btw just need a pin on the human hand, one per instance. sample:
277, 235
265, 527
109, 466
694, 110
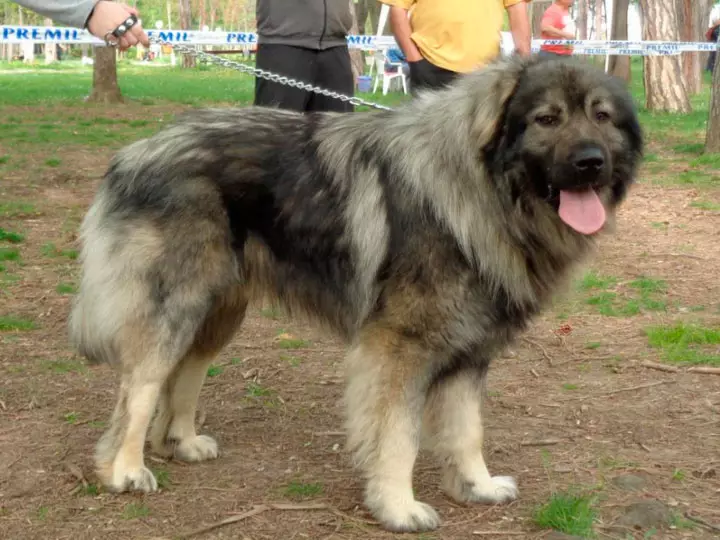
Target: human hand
107, 16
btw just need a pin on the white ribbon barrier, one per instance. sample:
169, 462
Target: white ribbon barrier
74, 36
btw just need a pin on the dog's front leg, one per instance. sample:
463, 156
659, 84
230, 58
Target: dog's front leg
385, 397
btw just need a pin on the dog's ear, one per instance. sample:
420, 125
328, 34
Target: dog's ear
495, 85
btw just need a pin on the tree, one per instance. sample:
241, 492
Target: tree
690, 15
599, 5
712, 137
582, 18
356, 57
188, 61
620, 65
50, 48
105, 84
665, 88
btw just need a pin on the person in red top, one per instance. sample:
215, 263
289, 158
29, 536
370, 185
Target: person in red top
557, 23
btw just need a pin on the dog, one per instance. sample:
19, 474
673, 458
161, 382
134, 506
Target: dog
427, 237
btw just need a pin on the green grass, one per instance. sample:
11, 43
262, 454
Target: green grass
10, 323
66, 288
643, 294
593, 280
293, 343
301, 490
214, 371
62, 365
686, 343
287, 341
9, 254
16, 209
11, 237
706, 205
50, 250
569, 513
146, 86
256, 390
135, 510
646, 285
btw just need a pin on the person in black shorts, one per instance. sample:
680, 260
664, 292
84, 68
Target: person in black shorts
305, 40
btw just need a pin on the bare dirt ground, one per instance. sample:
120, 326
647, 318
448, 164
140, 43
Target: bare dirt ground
573, 408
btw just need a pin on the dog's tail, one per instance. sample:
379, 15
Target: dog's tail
114, 258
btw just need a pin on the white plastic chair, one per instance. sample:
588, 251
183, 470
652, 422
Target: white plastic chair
387, 71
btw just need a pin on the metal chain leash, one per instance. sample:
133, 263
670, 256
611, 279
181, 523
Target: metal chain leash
257, 72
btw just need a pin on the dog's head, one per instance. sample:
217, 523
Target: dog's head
563, 134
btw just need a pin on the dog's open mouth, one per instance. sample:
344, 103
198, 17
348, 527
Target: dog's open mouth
582, 210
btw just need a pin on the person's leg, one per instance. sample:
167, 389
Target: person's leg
425, 75
292, 62
333, 71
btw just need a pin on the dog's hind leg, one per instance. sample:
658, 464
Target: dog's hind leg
119, 454
453, 431
384, 400
173, 431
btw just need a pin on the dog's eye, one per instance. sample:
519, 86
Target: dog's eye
602, 116
547, 120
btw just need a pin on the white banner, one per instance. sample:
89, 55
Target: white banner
74, 36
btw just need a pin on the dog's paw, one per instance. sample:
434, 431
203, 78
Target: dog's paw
501, 490
198, 448
140, 479
408, 516
498, 490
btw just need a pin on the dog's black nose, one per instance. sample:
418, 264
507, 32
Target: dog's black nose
588, 160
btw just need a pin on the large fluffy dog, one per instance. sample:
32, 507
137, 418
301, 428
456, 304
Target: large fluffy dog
427, 237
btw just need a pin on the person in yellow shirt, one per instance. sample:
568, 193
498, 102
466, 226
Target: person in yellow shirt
442, 38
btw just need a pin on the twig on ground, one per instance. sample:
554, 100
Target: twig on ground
542, 349
535, 373
329, 433
641, 445
702, 522
619, 390
541, 442
660, 367
499, 533
254, 511
706, 370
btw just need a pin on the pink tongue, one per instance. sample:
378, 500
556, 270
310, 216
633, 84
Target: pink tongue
582, 210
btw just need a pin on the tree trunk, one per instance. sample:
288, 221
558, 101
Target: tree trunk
373, 14
712, 138
665, 88
185, 23
357, 60
598, 19
361, 14
620, 65
105, 84
582, 19
50, 47
690, 60
702, 19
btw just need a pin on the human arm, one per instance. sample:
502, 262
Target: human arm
401, 29
99, 17
520, 27
555, 32
549, 25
